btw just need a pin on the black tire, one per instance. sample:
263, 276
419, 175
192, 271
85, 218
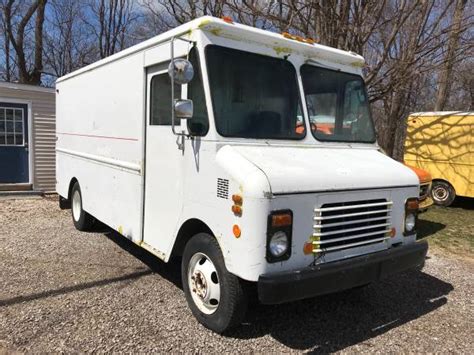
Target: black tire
442, 193
82, 220
232, 305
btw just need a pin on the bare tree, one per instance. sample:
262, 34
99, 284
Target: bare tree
7, 71
167, 14
68, 45
445, 78
29, 74
403, 42
111, 23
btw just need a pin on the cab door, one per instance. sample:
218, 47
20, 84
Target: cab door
163, 165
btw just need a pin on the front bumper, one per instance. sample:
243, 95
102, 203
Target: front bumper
424, 204
339, 275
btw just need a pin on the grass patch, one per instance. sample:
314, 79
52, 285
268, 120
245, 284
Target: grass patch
450, 229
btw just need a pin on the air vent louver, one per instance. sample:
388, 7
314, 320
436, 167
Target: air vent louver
222, 188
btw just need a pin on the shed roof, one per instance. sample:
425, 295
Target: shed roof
442, 113
25, 87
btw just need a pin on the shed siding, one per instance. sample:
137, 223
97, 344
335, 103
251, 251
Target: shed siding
43, 135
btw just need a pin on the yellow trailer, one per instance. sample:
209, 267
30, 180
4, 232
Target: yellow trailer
443, 144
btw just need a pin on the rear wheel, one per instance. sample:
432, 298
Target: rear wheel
216, 297
82, 220
442, 193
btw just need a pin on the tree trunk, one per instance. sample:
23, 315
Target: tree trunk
17, 40
445, 76
6, 44
35, 76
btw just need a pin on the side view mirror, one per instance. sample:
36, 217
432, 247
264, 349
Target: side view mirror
183, 109
181, 71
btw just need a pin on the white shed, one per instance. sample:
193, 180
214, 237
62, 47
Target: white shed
27, 138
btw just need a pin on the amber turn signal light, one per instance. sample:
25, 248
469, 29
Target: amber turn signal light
412, 204
236, 230
281, 220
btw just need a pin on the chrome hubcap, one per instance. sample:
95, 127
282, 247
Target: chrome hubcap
440, 193
76, 205
204, 283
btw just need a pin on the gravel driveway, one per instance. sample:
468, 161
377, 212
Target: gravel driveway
62, 290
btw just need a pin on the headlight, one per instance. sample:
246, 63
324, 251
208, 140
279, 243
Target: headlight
411, 210
278, 244
279, 230
410, 222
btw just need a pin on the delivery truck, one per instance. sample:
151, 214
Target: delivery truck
249, 155
442, 143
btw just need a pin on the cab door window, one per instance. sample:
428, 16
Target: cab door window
160, 102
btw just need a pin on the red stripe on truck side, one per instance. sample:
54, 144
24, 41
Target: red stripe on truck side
94, 136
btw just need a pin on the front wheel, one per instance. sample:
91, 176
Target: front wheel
216, 297
442, 193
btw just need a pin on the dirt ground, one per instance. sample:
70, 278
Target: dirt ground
66, 291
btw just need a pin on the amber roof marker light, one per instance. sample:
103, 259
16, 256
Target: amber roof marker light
227, 19
306, 40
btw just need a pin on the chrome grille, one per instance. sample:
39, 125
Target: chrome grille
349, 224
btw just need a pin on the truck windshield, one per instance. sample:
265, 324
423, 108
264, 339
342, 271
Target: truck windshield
254, 96
337, 105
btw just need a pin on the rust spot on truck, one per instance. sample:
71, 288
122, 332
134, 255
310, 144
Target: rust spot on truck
203, 23
215, 31
279, 50
358, 64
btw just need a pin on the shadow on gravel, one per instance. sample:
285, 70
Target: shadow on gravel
68, 289
333, 322
169, 271
465, 203
425, 228
327, 323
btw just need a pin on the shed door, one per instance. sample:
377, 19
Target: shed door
13, 143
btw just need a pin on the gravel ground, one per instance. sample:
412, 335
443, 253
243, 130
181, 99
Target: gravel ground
65, 291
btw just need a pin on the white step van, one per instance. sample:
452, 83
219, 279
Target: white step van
259, 166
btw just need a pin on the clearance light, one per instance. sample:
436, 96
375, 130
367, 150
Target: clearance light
236, 230
308, 248
282, 220
227, 19
237, 210
238, 200
393, 232
298, 38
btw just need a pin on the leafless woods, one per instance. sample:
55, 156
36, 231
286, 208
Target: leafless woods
419, 53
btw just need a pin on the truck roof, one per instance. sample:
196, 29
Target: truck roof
235, 31
442, 113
